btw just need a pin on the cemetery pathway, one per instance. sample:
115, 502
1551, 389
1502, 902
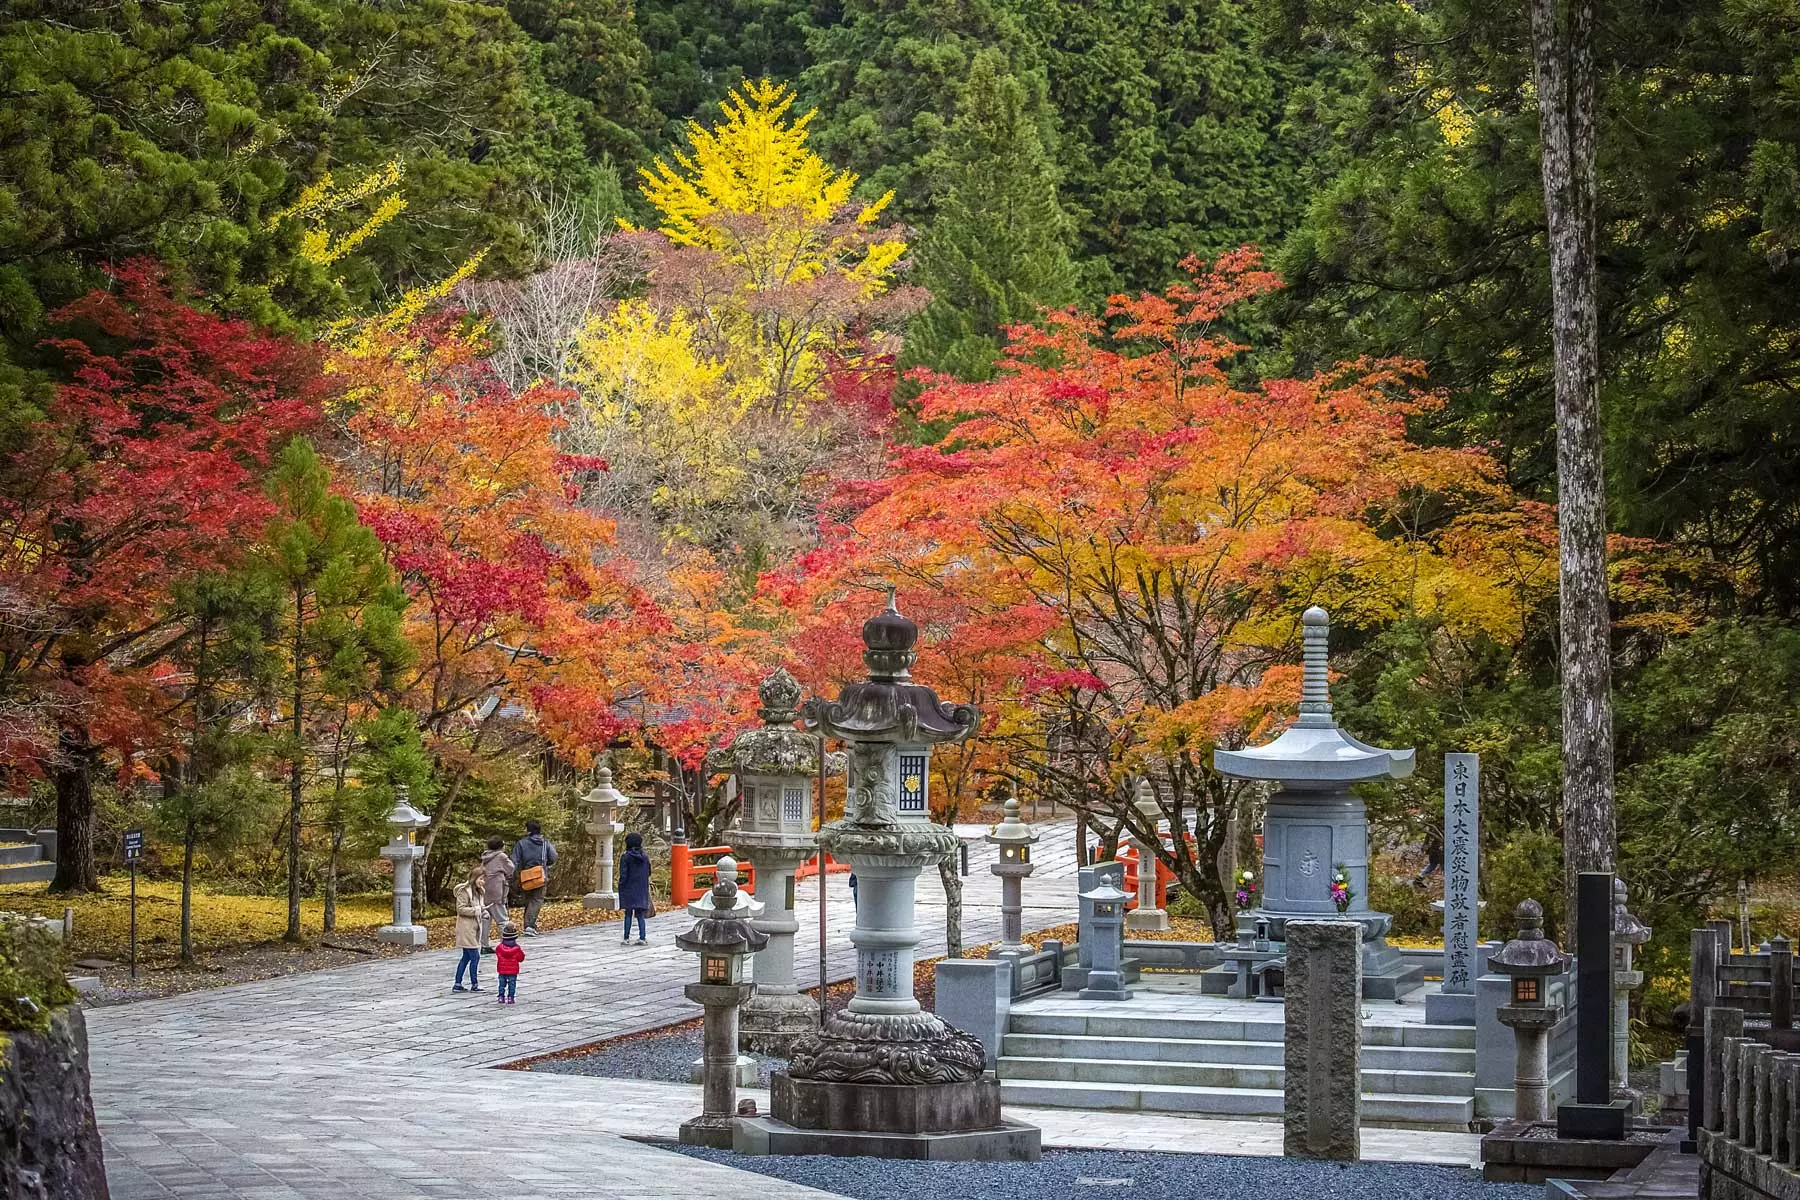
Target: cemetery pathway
358, 1082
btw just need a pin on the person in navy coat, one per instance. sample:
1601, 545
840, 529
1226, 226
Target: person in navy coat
634, 885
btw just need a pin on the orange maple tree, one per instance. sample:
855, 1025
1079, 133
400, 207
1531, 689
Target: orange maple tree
1112, 544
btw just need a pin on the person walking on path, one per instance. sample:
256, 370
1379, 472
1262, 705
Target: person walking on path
507, 957
496, 866
634, 885
532, 857
469, 898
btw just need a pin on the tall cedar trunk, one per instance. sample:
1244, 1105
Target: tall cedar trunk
1563, 56
297, 772
953, 890
188, 835
74, 780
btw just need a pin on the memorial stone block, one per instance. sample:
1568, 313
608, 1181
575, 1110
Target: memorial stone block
1323, 1057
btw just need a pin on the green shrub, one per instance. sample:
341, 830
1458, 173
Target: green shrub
1528, 866
32, 974
1409, 905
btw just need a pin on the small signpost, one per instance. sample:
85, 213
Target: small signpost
133, 850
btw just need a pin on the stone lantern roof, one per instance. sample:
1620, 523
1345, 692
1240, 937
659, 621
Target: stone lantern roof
603, 791
1011, 831
724, 928
778, 748
404, 815
1314, 750
888, 706
1529, 953
1626, 927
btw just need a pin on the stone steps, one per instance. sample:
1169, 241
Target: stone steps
1416, 1075
1223, 1075
14, 853
1169, 1027
1223, 1052
1445, 1112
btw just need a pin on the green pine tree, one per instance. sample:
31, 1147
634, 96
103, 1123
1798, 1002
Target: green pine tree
998, 250
340, 631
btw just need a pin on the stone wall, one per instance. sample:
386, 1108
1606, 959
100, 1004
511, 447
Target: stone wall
1750, 1144
49, 1141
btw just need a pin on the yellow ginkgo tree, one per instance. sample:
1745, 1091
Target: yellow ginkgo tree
727, 392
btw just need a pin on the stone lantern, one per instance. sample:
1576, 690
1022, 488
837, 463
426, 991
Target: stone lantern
724, 939
1531, 960
404, 820
1012, 838
1628, 934
883, 1067
775, 767
1316, 823
604, 802
1147, 915
1105, 980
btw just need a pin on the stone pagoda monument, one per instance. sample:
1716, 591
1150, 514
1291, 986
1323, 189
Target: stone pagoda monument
885, 1077
1317, 825
775, 767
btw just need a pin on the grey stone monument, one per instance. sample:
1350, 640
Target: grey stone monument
1454, 1003
405, 821
1106, 971
724, 940
1316, 823
1628, 934
604, 803
1593, 1113
1322, 1063
885, 1077
775, 766
1147, 915
1012, 839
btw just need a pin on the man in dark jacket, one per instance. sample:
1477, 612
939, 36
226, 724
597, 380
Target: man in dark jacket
634, 885
534, 850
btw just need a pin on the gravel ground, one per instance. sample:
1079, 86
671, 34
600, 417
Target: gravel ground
1099, 1174
665, 1054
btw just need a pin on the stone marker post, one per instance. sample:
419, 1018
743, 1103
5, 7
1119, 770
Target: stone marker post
604, 803
1454, 1003
1704, 949
1781, 982
1322, 1108
405, 820
1723, 1027
1594, 1113
1147, 915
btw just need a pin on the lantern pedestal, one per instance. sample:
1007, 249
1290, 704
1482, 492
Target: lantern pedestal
778, 1012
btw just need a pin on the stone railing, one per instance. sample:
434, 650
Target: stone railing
1749, 1139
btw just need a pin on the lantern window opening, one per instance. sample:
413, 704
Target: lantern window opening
1525, 989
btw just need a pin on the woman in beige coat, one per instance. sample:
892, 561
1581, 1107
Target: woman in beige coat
470, 899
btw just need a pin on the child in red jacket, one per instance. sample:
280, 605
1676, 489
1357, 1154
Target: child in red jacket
507, 957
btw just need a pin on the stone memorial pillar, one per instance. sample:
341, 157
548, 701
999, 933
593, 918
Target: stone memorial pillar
404, 820
1147, 915
1454, 1003
1316, 823
1593, 1113
604, 803
1704, 950
1322, 1111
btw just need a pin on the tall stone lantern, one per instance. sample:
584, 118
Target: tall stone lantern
724, 939
604, 802
883, 1067
1147, 915
405, 821
1530, 959
1628, 934
1316, 824
775, 767
1012, 838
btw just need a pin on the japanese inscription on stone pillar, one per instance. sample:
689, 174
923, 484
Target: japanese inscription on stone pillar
1462, 858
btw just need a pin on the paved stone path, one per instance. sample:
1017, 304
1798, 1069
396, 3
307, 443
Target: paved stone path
357, 1082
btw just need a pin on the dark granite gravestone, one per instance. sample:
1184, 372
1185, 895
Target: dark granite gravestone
1594, 1113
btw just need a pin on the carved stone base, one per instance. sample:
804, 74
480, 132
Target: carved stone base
915, 1048
886, 1107
708, 1131
770, 1024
